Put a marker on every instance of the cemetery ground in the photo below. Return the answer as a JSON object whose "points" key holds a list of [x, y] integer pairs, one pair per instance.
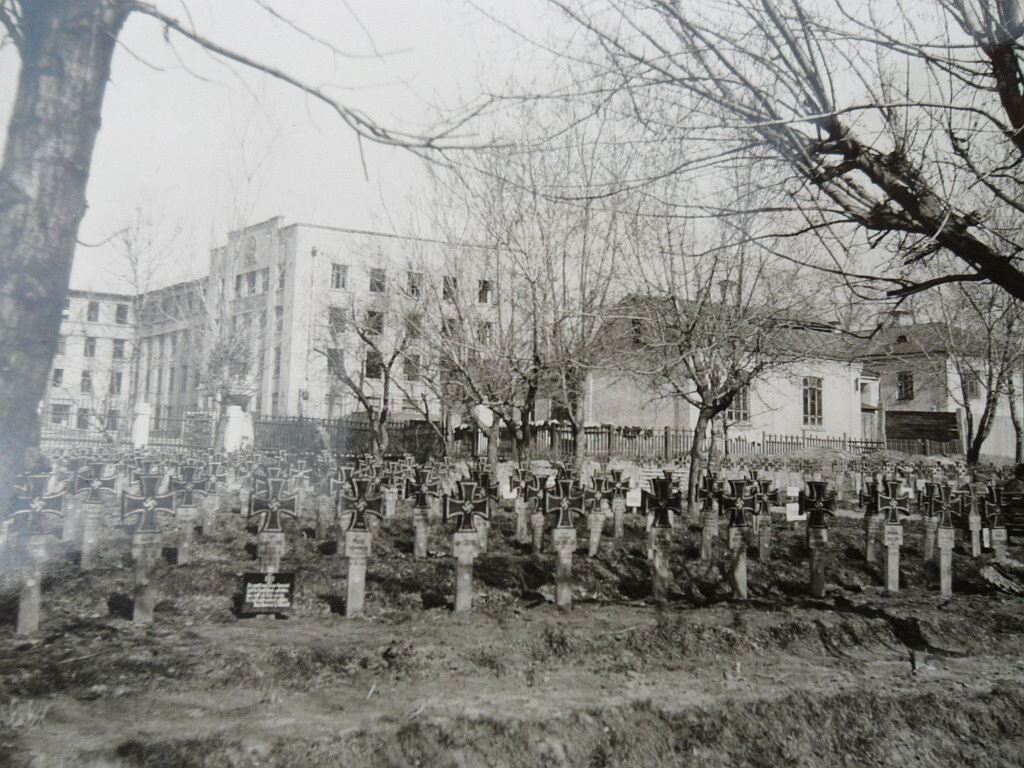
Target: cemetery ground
{"points": [[860, 677]]}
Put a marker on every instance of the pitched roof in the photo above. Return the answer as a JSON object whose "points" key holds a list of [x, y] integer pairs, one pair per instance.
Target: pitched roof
{"points": [[790, 335], [918, 339]]}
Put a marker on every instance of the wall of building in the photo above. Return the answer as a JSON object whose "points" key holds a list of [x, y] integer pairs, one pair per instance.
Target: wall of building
{"points": [[66, 403], [776, 402], [169, 328], [624, 400], [930, 376]]}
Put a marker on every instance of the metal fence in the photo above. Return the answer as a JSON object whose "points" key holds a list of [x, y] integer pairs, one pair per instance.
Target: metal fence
{"points": [[345, 436], [557, 441], [420, 439]]}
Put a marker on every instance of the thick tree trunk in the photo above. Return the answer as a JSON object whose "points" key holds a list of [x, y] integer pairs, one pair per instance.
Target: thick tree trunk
{"points": [[699, 430], [66, 50]]}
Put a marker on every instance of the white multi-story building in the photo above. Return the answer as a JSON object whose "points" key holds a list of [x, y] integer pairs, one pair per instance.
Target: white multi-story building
{"points": [[89, 386]]}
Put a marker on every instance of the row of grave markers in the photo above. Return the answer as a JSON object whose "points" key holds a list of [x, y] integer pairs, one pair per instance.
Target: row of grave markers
{"points": [[367, 491]]}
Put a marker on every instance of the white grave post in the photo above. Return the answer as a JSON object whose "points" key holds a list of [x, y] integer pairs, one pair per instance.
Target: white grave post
{"points": [[563, 540], [30, 596], [818, 543], [357, 552], [661, 571], [464, 549], [946, 541], [892, 541]]}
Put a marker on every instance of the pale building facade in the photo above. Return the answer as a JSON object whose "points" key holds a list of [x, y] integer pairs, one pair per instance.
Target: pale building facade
{"points": [[818, 397], [89, 383]]}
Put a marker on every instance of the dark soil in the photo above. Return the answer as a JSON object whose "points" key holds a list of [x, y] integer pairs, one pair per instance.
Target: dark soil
{"points": [[859, 678]]}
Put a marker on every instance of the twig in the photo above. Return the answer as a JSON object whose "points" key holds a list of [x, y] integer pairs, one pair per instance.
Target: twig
{"points": [[372, 689], [79, 658]]}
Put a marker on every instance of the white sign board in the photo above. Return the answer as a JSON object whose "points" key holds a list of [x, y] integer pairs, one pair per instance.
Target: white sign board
{"points": [[793, 512]]}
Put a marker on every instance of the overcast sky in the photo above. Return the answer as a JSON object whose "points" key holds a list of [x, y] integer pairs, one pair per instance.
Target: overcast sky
{"points": [[196, 145]]}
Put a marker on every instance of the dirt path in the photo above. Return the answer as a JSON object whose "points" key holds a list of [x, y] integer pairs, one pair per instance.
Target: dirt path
{"points": [[449, 675]]}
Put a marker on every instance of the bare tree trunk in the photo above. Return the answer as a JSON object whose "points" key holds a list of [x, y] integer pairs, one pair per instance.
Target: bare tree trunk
{"points": [[220, 428], [1018, 427], [715, 447], [493, 438], [66, 50], [699, 430], [381, 433], [984, 428]]}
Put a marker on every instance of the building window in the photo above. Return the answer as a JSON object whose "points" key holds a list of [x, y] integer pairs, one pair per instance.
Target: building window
{"points": [[159, 381], [119, 349], [170, 380], [411, 367], [337, 320], [408, 404], [374, 364], [378, 280], [374, 322], [451, 288], [415, 284], [273, 404], [238, 284], [58, 377], [149, 381], [277, 362], [250, 279], [905, 385], [85, 384], [740, 408], [83, 418], [121, 314], [60, 413], [335, 361], [449, 327], [485, 292], [113, 420], [339, 276], [265, 279], [485, 333], [90, 346], [62, 344], [173, 343], [92, 314], [813, 407], [412, 326], [972, 388], [636, 329], [282, 276], [116, 379]]}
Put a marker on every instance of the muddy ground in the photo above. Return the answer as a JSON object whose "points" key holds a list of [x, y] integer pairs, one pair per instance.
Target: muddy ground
{"points": [[859, 678]]}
